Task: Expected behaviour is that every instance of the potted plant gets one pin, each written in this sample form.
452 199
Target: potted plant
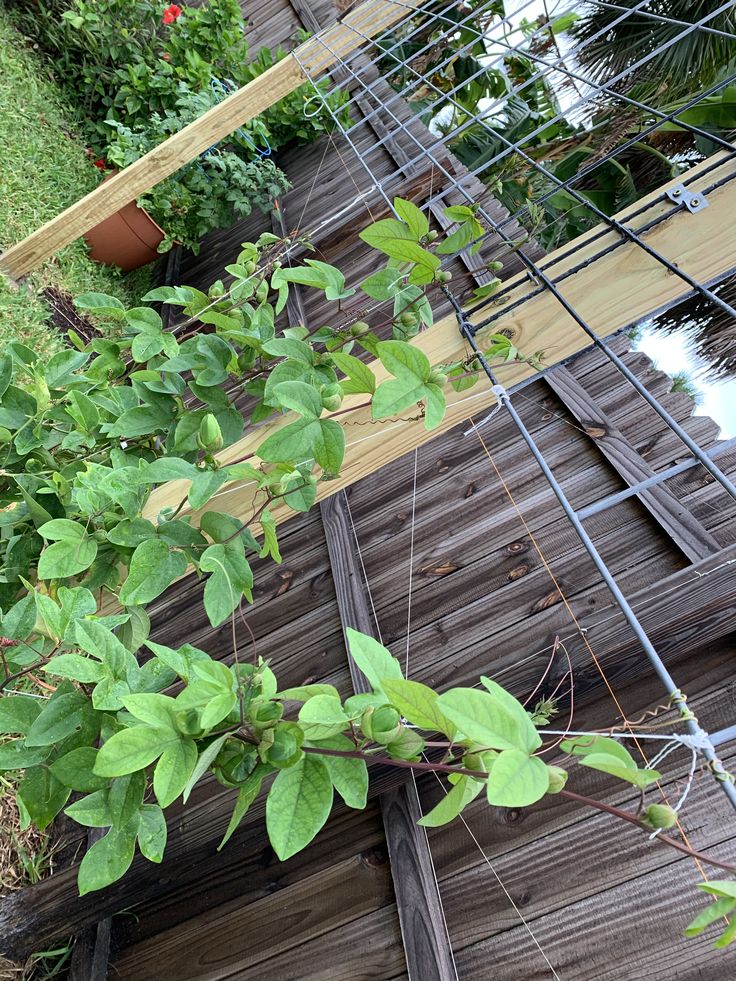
223 184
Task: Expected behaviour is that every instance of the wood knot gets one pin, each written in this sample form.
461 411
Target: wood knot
596 432
469 490
439 570
515 548
442 466
518 572
513 815
550 599
286 575
374 858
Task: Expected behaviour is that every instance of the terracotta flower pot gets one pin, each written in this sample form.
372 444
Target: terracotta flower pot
128 239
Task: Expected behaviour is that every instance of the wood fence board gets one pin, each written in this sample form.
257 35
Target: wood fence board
423 930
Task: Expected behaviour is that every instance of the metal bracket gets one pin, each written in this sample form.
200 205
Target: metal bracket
693 201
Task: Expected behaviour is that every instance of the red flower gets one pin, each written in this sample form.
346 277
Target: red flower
100 164
171 13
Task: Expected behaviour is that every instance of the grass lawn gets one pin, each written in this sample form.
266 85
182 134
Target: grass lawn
44 170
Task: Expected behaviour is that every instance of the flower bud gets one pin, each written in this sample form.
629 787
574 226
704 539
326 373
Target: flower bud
557 779
332 402
659 816
408 319
437 378
209 437
432 236
360 329
495 266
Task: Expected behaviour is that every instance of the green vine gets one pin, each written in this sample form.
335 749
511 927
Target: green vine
92 705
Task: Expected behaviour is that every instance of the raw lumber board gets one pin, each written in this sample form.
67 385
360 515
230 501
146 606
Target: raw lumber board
311 59
703 247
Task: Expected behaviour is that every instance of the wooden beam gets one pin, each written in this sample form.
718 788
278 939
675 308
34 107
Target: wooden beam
685 611
316 55
623 287
424 934
682 527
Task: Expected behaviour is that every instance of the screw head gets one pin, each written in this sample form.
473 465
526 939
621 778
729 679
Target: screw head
676 192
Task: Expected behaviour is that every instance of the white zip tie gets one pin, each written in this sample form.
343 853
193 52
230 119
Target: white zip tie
501 395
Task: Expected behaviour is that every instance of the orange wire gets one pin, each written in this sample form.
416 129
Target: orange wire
580 630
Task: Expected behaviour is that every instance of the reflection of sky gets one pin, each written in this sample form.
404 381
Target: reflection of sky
674 353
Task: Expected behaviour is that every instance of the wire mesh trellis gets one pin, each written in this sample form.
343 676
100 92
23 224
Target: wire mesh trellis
433 58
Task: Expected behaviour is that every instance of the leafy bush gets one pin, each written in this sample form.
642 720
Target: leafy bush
228 181
140 71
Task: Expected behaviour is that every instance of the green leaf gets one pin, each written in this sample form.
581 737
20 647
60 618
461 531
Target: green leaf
414 218
716 911
76 667
360 378
152 832
486 720
231 578
125 797
153 567
18 713
101 305
453 803
14 755
299 397
42 795
382 285
320 439
246 795
130 532
106 861
92 811
304 692
62 530
152 708
60 718
67 558
298 805
593 744
514 707
349 776
74 770
322 716
614 766
418 704
173 771
719 887
517 779
401 358
133 749
206 758
372 658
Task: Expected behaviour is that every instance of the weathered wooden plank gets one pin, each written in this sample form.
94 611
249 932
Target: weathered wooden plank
682 528
224 941
641 286
91 952
641 921
315 55
588 856
423 931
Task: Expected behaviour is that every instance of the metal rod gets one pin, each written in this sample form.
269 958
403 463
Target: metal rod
723 735
678 698
657 478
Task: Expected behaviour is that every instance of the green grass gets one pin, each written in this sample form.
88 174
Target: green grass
44 170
